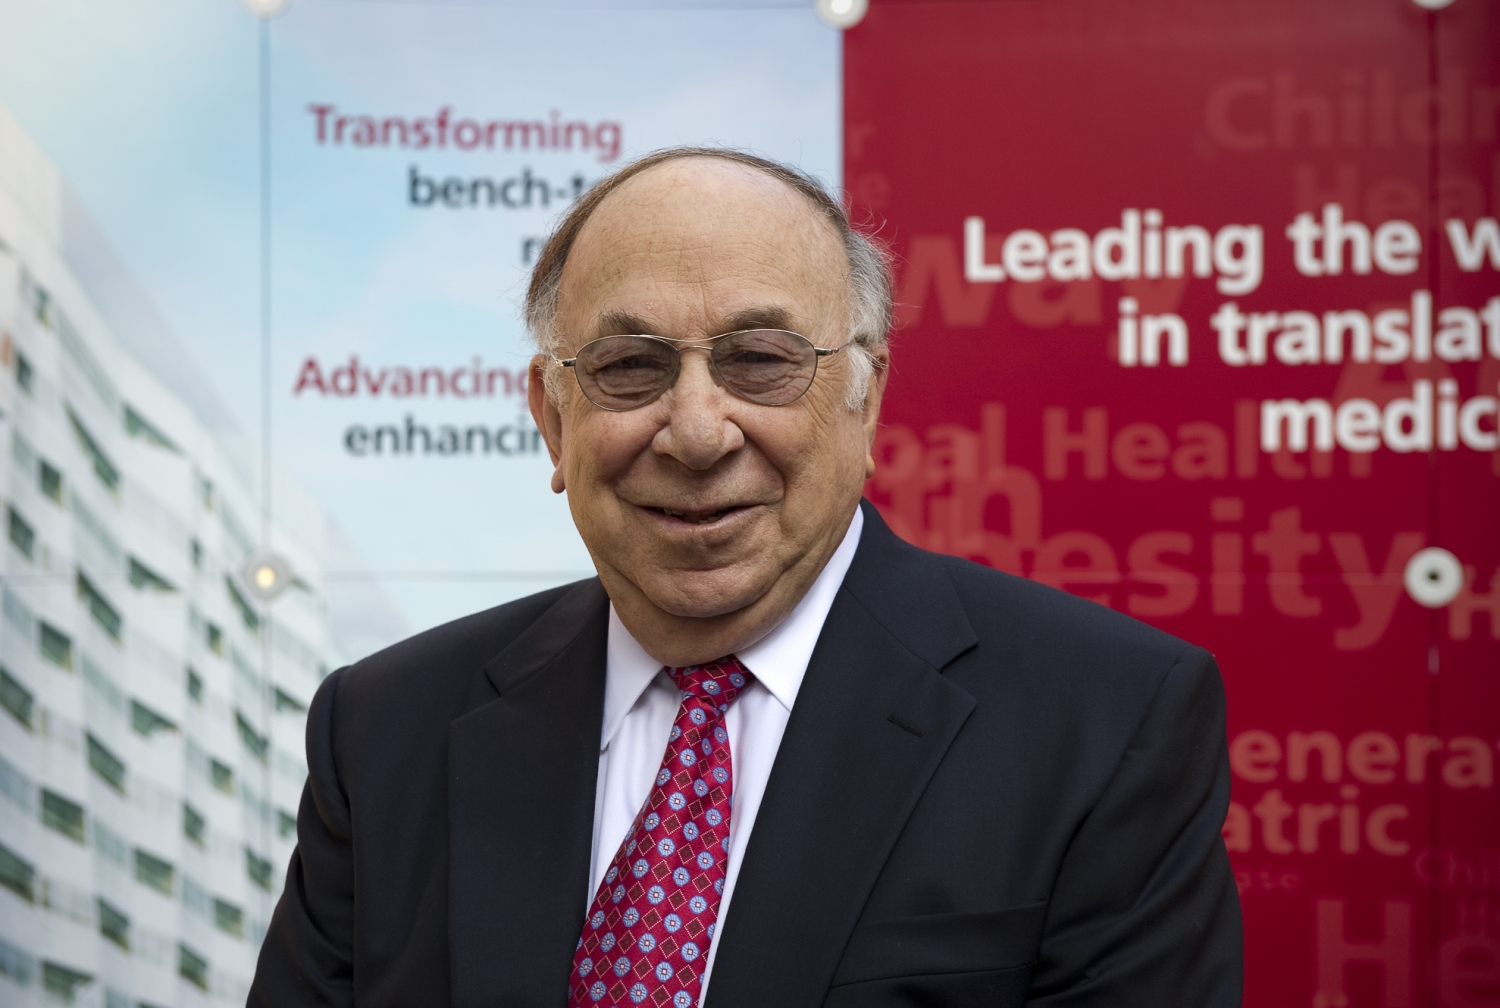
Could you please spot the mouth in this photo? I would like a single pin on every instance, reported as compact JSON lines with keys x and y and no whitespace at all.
{"x":698,"y":517}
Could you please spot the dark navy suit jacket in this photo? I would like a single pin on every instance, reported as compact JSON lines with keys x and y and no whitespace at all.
{"x":989,"y":793}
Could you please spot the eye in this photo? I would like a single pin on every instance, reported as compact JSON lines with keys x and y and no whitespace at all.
{"x":631,"y":363}
{"x":619,"y":355}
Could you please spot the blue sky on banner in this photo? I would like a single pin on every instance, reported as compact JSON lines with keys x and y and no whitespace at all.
{"x":391,"y":259}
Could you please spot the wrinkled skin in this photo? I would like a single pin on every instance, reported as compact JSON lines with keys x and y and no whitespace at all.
{"x":760,"y":496}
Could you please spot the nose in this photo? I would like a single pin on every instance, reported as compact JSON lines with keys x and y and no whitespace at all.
{"x":699,"y":429}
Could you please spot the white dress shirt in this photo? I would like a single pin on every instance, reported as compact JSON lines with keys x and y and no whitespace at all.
{"x":640,"y":704}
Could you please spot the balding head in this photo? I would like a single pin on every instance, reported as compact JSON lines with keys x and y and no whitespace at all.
{"x":866,"y":287}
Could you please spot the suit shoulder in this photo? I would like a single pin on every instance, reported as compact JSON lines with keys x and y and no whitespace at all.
{"x":447,"y":657}
{"x":1088,"y":671}
{"x":1029,"y":612}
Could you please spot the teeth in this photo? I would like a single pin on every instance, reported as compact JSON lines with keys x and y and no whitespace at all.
{"x":696,"y":518}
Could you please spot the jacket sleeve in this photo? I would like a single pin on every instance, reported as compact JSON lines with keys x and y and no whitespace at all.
{"x":308,"y":955}
{"x":1145,"y":911}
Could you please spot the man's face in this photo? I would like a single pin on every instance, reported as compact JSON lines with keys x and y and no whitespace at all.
{"x":701,"y":503}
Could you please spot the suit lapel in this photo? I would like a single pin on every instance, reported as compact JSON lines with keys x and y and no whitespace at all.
{"x":522,"y":770}
{"x":872,"y":722}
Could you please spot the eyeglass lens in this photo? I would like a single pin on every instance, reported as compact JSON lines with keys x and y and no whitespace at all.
{"x":766,"y":366}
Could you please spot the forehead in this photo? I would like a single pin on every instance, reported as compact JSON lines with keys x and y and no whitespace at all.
{"x":688,"y":244}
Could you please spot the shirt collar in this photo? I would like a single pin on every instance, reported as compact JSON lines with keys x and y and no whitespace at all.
{"x":778,"y":660}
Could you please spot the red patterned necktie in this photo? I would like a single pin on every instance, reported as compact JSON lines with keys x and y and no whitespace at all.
{"x":648,"y":931}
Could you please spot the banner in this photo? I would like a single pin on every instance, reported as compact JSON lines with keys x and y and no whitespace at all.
{"x":1200,"y":320}
{"x":263,"y":404}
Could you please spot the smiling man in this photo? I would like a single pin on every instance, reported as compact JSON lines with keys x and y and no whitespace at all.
{"x":771,"y":755}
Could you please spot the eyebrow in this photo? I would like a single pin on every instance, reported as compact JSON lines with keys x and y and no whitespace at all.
{"x":619,"y":323}
{"x":768,"y":317}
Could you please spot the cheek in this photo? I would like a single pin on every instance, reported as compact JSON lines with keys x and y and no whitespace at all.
{"x":812,"y":451}
{"x":601,"y":445}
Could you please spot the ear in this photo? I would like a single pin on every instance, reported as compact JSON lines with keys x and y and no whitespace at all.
{"x":545,"y":415}
{"x":873,"y":398}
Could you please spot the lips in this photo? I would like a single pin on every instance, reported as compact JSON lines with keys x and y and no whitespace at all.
{"x":697,"y":517}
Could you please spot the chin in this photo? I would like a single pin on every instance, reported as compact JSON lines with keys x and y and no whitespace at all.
{"x":704,"y":600}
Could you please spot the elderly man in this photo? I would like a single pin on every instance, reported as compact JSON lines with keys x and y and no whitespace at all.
{"x":771,"y":755}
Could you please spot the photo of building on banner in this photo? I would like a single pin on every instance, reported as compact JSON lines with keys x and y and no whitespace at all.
{"x":233,"y":248}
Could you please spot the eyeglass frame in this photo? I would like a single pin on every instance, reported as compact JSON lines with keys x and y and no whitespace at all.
{"x":688,"y":344}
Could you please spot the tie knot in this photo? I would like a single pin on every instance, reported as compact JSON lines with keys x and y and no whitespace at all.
{"x":716,"y":683}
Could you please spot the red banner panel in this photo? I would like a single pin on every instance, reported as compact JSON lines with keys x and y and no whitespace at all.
{"x":1200,"y":319}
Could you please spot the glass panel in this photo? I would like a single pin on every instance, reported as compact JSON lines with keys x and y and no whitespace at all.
{"x":138,"y":426}
{"x":229,"y":918}
{"x":142,"y":576}
{"x":286,"y":702}
{"x":194,"y":825}
{"x":22,"y":536}
{"x":154,"y":872}
{"x":106,"y":764}
{"x":16,"y":964}
{"x":17,"y":874}
{"x":246,"y":611}
{"x":16,"y":786}
{"x":110,"y":845}
{"x":106,"y":615}
{"x":51,"y":482}
{"x":257,"y":743}
{"x":146,"y":721}
{"x":192,"y":967}
{"x":113,"y":924}
{"x":62,"y":981}
{"x":62,"y":815}
{"x":105,"y":469}
{"x":15,"y":698}
{"x":195,"y":897}
{"x":258,"y":868}
{"x":56,"y":646}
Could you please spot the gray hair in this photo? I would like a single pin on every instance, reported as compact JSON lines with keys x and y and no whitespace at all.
{"x":870,"y":292}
